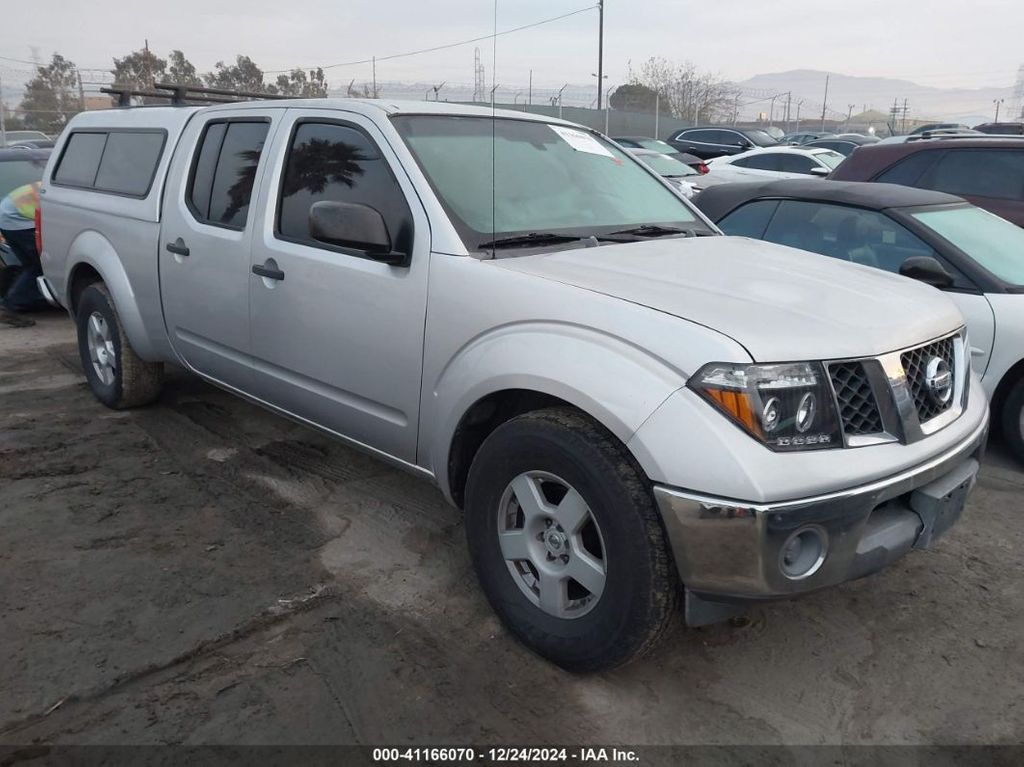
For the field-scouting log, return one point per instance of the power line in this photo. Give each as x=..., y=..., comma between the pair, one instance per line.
x=441, y=47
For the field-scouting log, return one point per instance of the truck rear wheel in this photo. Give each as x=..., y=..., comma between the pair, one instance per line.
x=1012, y=420
x=567, y=542
x=116, y=374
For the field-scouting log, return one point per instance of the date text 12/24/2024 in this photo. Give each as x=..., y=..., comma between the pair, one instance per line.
x=501, y=754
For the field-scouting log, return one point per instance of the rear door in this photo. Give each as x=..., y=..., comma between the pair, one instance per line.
x=338, y=336
x=990, y=178
x=206, y=238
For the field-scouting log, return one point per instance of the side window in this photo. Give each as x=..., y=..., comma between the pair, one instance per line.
x=129, y=162
x=224, y=172
x=794, y=163
x=996, y=173
x=750, y=220
x=768, y=161
x=702, y=136
x=337, y=163
x=81, y=159
x=860, y=236
x=908, y=170
x=727, y=138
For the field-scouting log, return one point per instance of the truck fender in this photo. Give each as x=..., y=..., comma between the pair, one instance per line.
x=92, y=248
x=615, y=382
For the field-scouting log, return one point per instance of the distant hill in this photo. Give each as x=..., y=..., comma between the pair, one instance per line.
x=967, y=105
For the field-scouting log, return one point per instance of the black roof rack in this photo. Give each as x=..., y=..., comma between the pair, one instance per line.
x=179, y=94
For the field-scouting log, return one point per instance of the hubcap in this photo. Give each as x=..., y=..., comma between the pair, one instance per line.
x=552, y=544
x=101, y=348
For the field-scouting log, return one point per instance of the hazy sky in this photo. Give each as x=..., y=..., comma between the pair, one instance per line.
x=934, y=42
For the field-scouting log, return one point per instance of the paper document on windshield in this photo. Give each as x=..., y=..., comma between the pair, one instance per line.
x=581, y=141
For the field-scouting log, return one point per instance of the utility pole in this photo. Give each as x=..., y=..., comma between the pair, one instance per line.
x=149, y=69
x=374, y=76
x=560, y=100
x=771, y=111
x=998, y=103
x=849, y=115
x=789, y=106
x=3, y=127
x=529, y=98
x=824, y=105
x=600, y=50
x=904, y=115
x=81, y=90
x=657, y=112
x=799, y=104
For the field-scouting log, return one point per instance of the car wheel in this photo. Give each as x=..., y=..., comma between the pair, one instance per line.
x=567, y=541
x=117, y=375
x=1012, y=420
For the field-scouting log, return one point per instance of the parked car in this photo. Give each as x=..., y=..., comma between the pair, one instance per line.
x=776, y=162
x=799, y=139
x=657, y=145
x=775, y=132
x=1001, y=129
x=974, y=256
x=869, y=138
x=986, y=170
x=711, y=142
x=930, y=134
x=682, y=177
x=843, y=145
x=937, y=126
x=17, y=168
x=32, y=143
x=620, y=398
x=15, y=136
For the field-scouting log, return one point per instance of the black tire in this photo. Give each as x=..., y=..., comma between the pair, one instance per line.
x=1011, y=420
x=135, y=381
x=641, y=591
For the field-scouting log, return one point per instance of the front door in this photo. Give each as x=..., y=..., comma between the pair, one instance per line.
x=206, y=237
x=337, y=337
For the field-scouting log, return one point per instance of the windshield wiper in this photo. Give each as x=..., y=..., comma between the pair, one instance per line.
x=531, y=238
x=653, y=230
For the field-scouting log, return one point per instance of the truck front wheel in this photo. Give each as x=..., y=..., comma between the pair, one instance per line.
x=567, y=543
x=117, y=375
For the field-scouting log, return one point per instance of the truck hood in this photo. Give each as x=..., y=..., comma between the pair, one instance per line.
x=780, y=303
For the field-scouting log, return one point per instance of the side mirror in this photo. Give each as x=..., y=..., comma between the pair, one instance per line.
x=820, y=172
x=353, y=225
x=927, y=270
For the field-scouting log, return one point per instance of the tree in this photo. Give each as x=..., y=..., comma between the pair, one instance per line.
x=52, y=96
x=634, y=97
x=181, y=71
x=140, y=69
x=685, y=91
x=300, y=85
x=243, y=75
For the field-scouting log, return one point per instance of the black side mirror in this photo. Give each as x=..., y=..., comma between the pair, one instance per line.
x=927, y=270
x=352, y=225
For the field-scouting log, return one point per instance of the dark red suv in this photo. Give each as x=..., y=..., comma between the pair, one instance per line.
x=987, y=171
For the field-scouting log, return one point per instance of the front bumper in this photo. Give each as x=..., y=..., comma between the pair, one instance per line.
x=730, y=551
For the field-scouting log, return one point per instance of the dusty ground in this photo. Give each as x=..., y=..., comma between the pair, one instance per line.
x=204, y=572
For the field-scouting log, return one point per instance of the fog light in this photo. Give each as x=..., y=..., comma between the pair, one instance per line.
x=802, y=553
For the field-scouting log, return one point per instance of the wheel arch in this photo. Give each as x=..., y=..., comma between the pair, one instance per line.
x=1009, y=379
x=92, y=258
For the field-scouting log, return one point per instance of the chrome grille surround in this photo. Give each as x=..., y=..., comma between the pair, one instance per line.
x=885, y=398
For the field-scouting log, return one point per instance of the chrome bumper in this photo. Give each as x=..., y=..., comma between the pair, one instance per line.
x=728, y=550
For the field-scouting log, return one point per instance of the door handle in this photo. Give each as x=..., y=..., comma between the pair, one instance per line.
x=270, y=272
x=178, y=247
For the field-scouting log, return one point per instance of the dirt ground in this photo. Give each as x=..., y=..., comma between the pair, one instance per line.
x=204, y=572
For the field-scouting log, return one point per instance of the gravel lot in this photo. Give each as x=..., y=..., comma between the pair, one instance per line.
x=201, y=571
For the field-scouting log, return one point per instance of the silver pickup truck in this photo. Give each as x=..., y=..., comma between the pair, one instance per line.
x=631, y=408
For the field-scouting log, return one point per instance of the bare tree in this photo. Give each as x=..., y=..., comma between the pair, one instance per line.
x=685, y=91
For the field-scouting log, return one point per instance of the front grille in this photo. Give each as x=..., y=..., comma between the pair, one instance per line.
x=857, y=406
x=915, y=364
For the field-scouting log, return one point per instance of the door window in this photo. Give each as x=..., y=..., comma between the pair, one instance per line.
x=995, y=173
x=224, y=172
x=795, y=163
x=768, y=161
x=908, y=170
x=750, y=220
x=699, y=136
x=338, y=163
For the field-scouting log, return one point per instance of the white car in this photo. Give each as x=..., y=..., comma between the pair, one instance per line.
x=776, y=162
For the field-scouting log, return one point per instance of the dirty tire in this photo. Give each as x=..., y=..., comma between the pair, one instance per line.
x=1012, y=420
x=136, y=382
x=641, y=592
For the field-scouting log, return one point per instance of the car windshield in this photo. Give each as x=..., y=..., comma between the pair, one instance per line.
x=667, y=166
x=830, y=158
x=995, y=243
x=761, y=138
x=498, y=178
x=15, y=173
x=656, y=145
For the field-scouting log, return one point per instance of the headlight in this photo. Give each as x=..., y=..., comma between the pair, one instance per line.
x=786, y=406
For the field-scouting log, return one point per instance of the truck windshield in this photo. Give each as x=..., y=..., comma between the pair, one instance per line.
x=995, y=243
x=499, y=178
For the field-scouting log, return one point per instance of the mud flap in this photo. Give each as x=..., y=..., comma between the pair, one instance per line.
x=939, y=504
